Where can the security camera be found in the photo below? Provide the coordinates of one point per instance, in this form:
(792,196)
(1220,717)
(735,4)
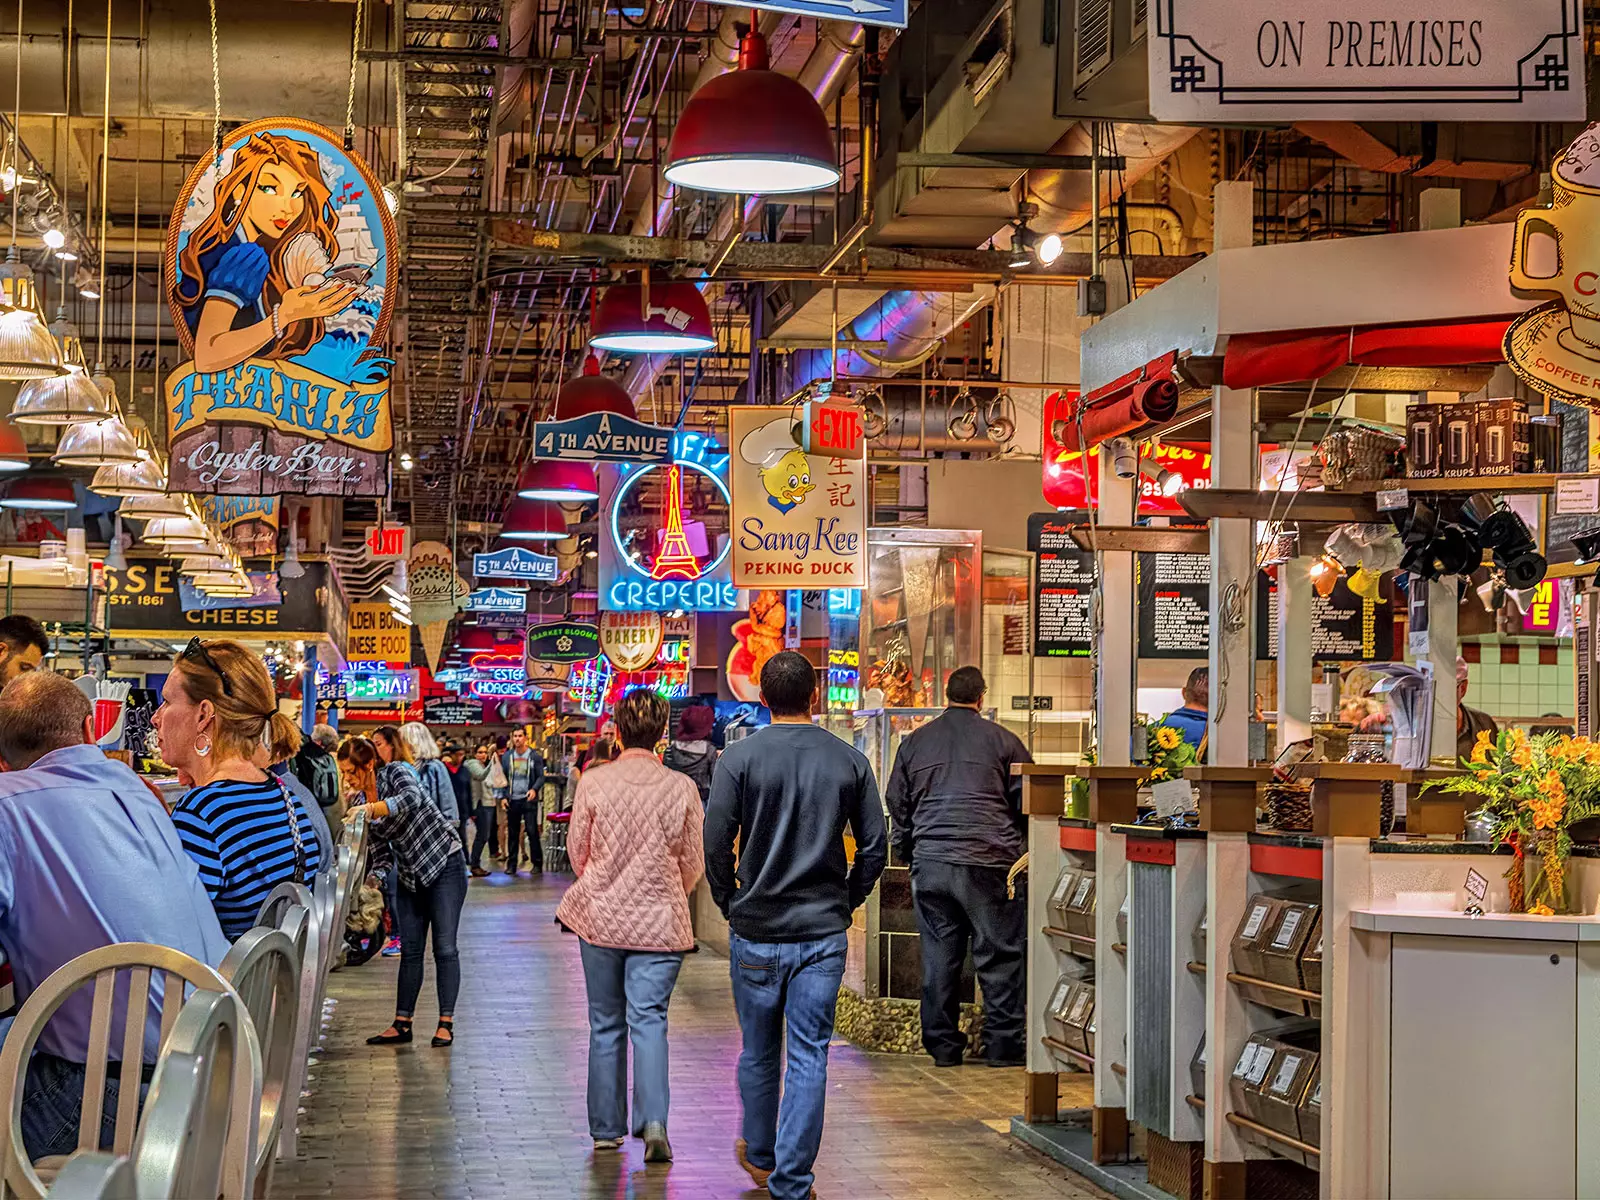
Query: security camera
(1124,457)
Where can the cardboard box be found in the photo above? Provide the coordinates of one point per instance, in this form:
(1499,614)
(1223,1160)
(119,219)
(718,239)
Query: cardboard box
(1502,432)
(1424,428)
(1078,1018)
(1060,1005)
(1079,914)
(1458,440)
(1249,1073)
(1060,895)
(1544,443)
(1260,918)
(1311,1111)
(1280,955)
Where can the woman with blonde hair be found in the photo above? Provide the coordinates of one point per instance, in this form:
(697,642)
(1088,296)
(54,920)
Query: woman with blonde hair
(435,776)
(218,712)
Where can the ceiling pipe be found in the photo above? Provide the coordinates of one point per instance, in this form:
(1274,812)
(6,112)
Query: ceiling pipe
(1065,199)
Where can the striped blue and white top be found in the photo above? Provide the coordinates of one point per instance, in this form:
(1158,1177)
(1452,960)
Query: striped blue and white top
(240,837)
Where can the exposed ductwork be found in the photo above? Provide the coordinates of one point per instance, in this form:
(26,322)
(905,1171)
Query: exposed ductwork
(1066,198)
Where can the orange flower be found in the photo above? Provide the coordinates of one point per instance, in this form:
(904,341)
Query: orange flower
(1547,813)
(1484,775)
(1541,910)
(1522,756)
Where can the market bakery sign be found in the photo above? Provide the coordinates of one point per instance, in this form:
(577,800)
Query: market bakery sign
(279,281)
(563,642)
(1212,61)
(799,520)
(630,639)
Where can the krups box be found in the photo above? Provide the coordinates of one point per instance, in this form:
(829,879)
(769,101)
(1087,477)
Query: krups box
(1424,428)
(1458,439)
(1503,437)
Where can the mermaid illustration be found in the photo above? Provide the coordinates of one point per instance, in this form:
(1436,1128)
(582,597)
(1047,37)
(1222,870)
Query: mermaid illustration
(254,278)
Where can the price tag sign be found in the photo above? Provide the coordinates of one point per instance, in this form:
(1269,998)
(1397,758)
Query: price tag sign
(1392,499)
(1577,496)
(1477,885)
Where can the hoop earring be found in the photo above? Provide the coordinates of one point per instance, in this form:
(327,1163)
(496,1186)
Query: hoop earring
(205,750)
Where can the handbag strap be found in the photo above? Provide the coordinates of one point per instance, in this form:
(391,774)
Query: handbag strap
(294,830)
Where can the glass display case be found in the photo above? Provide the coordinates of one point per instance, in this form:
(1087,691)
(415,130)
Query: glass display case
(921,613)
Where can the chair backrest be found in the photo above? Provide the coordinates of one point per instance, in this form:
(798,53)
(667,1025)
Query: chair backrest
(91,1175)
(184,1148)
(295,923)
(143,974)
(264,968)
(281,897)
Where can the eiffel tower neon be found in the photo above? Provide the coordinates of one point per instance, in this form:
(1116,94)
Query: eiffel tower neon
(675,559)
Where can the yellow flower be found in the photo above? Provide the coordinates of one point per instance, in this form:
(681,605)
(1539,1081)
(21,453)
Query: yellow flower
(1483,737)
(1480,753)
(1168,738)
(1484,775)
(1541,910)
(1522,756)
(1158,772)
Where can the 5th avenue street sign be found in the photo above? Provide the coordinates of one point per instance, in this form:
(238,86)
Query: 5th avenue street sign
(515,562)
(497,600)
(892,13)
(602,437)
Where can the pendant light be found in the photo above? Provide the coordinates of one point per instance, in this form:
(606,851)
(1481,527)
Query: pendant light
(163,530)
(45,493)
(61,400)
(562,482)
(752,131)
(103,443)
(142,478)
(670,317)
(13,449)
(147,508)
(116,553)
(592,392)
(533,521)
(199,564)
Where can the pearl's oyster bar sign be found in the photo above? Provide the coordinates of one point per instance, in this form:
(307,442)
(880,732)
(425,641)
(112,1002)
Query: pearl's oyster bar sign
(1378,60)
(279,281)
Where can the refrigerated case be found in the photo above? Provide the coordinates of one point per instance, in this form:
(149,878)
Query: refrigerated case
(921,613)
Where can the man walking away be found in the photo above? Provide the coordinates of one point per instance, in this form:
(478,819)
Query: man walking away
(524,768)
(786,796)
(314,766)
(958,824)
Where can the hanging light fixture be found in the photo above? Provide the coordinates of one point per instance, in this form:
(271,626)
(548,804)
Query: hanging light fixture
(162,530)
(60,400)
(96,444)
(670,317)
(592,392)
(752,131)
(147,508)
(142,478)
(27,351)
(45,493)
(533,521)
(116,553)
(199,564)
(13,449)
(290,567)
(563,482)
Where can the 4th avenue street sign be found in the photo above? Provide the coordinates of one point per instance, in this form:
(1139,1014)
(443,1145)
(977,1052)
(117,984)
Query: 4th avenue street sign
(869,12)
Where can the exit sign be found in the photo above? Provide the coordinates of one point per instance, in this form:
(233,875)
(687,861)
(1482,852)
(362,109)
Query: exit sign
(388,541)
(832,428)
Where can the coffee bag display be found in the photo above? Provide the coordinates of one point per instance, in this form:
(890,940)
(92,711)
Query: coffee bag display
(1424,430)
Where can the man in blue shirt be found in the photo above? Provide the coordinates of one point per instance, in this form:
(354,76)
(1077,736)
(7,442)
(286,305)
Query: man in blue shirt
(88,858)
(1190,720)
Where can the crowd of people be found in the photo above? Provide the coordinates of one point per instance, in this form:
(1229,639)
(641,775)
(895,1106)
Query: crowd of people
(90,855)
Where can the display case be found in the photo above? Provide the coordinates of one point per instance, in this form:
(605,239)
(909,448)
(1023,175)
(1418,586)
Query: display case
(921,614)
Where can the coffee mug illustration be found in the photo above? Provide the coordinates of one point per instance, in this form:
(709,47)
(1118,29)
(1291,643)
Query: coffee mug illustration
(1556,346)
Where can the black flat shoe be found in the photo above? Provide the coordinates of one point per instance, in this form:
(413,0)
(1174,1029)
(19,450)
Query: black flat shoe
(445,1035)
(400,1036)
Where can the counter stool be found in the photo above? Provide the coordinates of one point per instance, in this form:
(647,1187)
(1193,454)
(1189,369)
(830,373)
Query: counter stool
(555,844)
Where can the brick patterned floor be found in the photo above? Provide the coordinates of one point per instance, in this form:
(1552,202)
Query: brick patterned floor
(502,1114)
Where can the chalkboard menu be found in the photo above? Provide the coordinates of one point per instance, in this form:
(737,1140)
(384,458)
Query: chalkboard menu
(1174,593)
(1559,529)
(1063,592)
(447,710)
(1345,627)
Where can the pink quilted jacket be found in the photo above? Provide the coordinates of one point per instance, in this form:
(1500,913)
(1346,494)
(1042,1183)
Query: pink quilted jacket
(635,842)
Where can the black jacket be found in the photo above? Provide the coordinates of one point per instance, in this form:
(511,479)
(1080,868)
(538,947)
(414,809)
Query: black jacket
(787,794)
(952,795)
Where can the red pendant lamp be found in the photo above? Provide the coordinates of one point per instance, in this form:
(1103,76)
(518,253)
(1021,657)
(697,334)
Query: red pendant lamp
(561,482)
(592,392)
(753,132)
(672,318)
(44,493)
(533,521)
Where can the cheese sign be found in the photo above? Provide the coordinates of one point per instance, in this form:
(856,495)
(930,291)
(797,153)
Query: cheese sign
(630,639)
(602,437)
(563,642)
(830,427)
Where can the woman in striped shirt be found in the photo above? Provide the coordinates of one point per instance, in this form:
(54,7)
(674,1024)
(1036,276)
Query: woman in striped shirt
(239,824)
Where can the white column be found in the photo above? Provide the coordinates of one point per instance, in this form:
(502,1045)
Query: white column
(1294,650)
(1117,661)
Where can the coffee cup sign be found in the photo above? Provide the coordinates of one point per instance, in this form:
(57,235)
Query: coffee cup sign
(1555,347)
(630,640)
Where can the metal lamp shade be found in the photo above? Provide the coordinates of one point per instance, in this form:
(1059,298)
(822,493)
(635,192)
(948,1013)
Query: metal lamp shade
(27,351)
(208,548)
(163,530)
(146,508)
(223,583)
(753,132)
(593,392)
(40,492)
(674,320)
(13,449)
(105,443)
(141,478)
(534,521)
(61,400)
(562,482)
(202,564)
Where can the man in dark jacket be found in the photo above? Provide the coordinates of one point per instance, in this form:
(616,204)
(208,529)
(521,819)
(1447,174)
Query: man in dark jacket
(314,766)
(786,795)
(958,823)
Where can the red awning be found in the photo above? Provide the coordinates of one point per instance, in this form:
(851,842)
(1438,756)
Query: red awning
(1263,359)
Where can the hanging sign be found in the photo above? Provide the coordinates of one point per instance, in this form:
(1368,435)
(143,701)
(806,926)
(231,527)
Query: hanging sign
(497,600)
(602,437)
(630,639)
(517,562)
(280,284)
(829,427)
(388,541)
(380,687)
(374,633)
(446,710)
(250,523)
(1212,61)
(432,584)
(799,520)
(1063,593)
(548,676)
(151,597)
(892,13)
(563,641)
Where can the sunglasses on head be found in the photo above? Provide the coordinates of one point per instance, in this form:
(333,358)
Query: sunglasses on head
(195,651)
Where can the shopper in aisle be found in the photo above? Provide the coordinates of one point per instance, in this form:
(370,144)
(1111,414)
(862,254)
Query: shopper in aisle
(635,844)
(485,808)
(431,771)
(278,759)
(88,858)
(958,825)
(431,879)
(524,771)
(785,796)
(1470,722)
(455,760)
(243,828)
(1190,720)
(313,765)
(691,750)
(23,646)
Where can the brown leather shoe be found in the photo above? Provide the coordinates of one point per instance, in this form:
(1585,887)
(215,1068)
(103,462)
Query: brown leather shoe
(740,1152)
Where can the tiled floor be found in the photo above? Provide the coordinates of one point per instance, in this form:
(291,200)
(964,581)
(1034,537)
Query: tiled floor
(502,1114)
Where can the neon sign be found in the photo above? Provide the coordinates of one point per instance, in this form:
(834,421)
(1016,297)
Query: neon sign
(844,678)
(590,682)
(395,687)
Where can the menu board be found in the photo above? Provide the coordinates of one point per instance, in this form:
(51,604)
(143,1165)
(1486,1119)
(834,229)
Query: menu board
(1345,627)
(1063,591)
(1560,528)
(1174,593)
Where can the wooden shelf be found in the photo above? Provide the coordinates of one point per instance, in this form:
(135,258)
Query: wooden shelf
(1081,946)
(1056,1045)
(1196,1102)
(1268,986)
(1212,503)
(1272,1135)
(1197,968)
(1152,539)
(1497,484)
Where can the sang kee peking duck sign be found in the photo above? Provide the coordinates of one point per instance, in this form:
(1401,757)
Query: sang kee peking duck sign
(280,280)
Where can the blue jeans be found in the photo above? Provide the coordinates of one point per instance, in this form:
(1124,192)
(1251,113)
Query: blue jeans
(52,1105)
(628,994)
(436,907)
(775,983)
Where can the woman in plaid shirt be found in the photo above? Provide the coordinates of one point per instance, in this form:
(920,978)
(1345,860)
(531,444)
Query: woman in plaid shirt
(432,877)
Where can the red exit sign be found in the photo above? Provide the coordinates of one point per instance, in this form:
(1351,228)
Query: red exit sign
(388,541)
(832,428)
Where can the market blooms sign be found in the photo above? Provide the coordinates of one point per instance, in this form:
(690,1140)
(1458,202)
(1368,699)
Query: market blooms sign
(279,280)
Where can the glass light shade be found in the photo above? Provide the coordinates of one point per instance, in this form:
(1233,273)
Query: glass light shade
(562,482)
(592,392)
(27,351)
(673,319)
(754,132)
(13,449)
(162,530)
(40,492)
(198,564)
(533,521)
(141,478)
(59,400)
(106,385)
(189,549)
(145,508)
(96,444)
(67,337)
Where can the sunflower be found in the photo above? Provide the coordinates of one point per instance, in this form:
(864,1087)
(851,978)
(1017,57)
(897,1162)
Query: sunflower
(1158,772)
(1168,738)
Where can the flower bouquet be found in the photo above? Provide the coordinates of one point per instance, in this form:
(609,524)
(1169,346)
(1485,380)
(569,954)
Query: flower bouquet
(1169,754)
(1534,790)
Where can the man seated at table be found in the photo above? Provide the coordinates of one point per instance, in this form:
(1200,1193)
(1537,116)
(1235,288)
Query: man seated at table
(88,858)
(1190,720)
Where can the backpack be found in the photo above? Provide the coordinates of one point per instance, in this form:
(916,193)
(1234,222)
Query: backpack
(697,767)
(324,782)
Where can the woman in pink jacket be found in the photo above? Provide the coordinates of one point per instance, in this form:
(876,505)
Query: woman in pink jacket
(635,843)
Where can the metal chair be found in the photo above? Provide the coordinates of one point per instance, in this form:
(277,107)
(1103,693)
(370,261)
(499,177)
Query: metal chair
(555,844)
(93,1175)
(147,973)
(288,909)
(264,968)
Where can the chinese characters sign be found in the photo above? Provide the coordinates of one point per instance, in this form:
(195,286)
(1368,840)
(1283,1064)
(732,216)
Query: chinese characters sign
(799,520)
